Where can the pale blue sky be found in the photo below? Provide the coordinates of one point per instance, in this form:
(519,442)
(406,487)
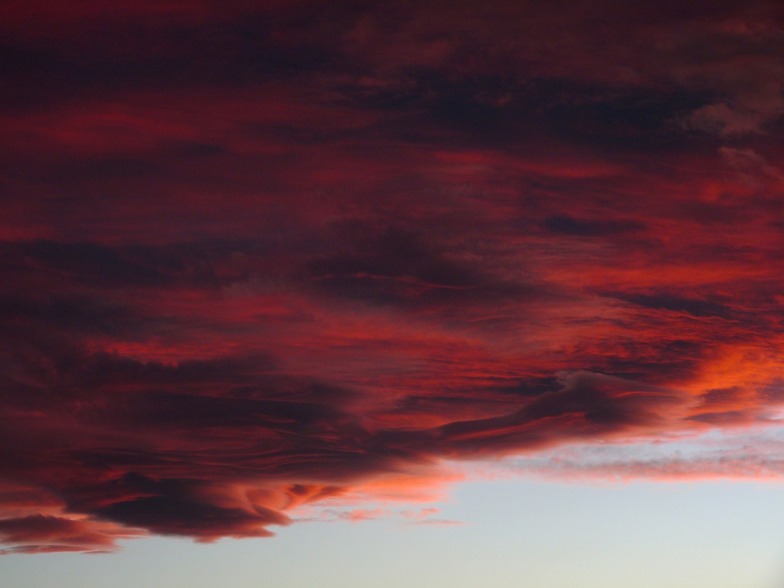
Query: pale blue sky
(517,532)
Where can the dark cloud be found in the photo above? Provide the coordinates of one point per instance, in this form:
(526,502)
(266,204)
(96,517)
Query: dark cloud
(72,313)
(692,306)
(111,53)
(587,405)
(257,257)
(589,228)
(410,268)
(89,263)
(170,507)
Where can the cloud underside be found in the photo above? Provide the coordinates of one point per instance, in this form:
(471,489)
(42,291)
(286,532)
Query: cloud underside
(260,261)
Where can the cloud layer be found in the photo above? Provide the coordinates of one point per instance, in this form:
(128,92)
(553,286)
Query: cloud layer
(253,259)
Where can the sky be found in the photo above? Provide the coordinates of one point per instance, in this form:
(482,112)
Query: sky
(366,293)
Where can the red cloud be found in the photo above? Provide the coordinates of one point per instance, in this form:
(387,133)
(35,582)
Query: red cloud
(48,533)
(253,263)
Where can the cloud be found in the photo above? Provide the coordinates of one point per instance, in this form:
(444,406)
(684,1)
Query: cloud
(695,307)
(261,261)
(737,455)
(47,533)
(588,228)
(423,516)
(587,405)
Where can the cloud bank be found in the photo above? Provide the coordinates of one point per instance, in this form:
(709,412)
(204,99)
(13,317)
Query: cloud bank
(259,259)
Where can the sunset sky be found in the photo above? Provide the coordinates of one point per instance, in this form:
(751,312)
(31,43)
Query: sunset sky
(408,293)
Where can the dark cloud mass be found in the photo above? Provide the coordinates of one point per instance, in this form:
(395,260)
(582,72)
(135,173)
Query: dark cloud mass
(257,256)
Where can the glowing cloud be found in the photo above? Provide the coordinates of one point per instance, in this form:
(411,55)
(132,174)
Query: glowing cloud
(257,263)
